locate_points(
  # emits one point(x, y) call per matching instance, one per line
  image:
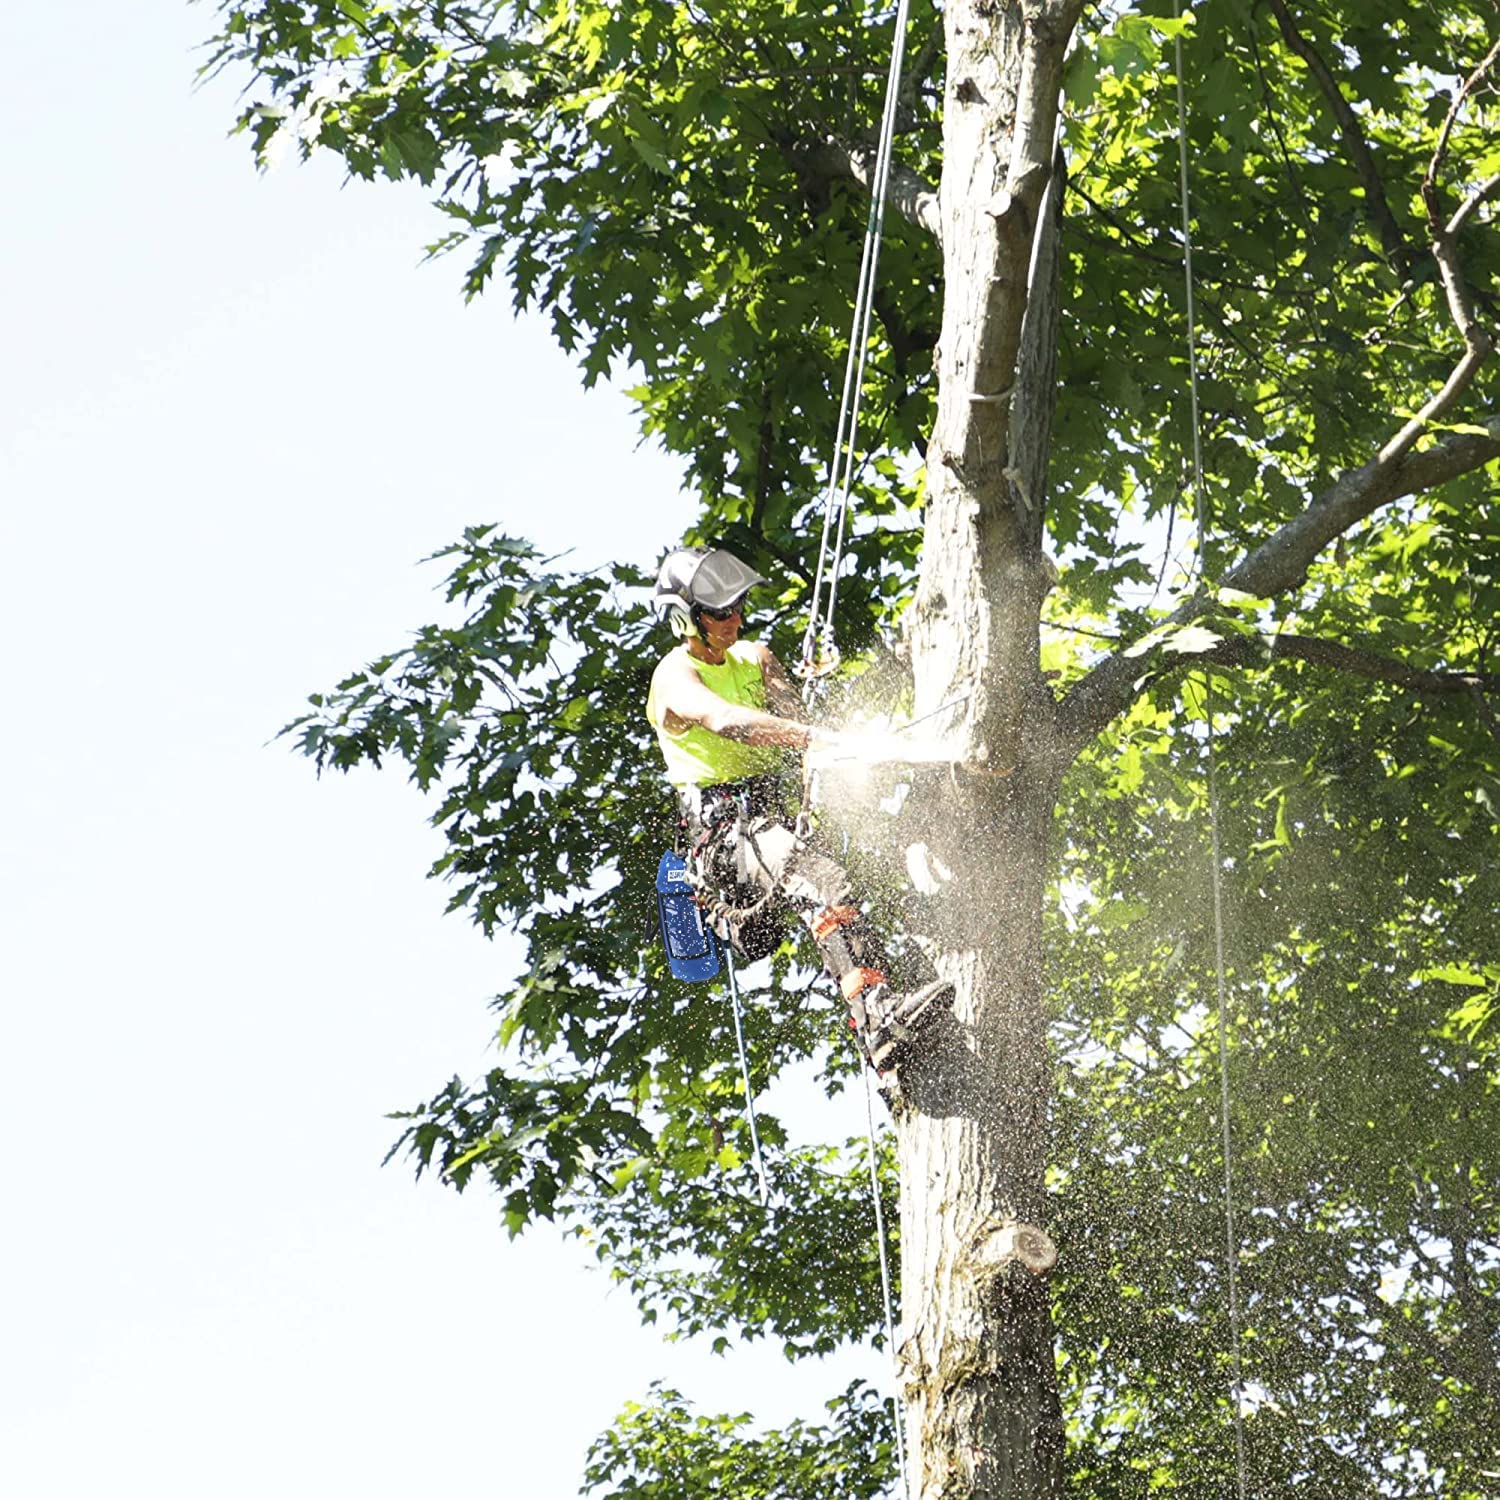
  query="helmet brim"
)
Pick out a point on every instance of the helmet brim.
point(722, 579)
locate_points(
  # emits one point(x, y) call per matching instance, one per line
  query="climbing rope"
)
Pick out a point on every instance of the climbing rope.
point(819, 650)
point(898, 1416)
point(1231, 1237)
point(1199, 499)
point(897, 1412)
point(739, 1041)
point(819, 646)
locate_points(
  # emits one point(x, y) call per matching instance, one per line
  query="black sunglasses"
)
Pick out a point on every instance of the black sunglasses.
point(737, 608)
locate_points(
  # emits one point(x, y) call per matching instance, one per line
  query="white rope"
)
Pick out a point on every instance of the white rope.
point(898, 1414)
point(739, 1041)
point(1231, 1237)
point(1199, 504)
point(820, 620)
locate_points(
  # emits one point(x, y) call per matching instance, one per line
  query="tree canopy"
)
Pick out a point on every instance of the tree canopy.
point(681, 188)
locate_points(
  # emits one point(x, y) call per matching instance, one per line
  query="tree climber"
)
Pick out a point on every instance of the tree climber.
point(725, 713)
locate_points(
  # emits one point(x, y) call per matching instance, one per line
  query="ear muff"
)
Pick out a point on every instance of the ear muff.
point(681, 622)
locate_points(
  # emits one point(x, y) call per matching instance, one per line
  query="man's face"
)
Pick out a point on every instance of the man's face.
point(721, 627)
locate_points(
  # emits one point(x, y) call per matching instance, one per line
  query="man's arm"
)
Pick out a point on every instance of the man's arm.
point(685, 700)
point(781, 692)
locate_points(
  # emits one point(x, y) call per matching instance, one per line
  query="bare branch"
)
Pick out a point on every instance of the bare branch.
point(906, 339)
point(1036, 365)
point(1281, 562)
point(1261, 651)
point(1318, 652)
point(1397, 251)
point(1479, 344)
point(1440, 155)
point(920, 67)
point(1485, 190)
point(1477, 340)
point(910, 194)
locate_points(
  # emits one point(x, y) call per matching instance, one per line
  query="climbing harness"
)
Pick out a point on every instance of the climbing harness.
point(1231, 1237)
point(754, 928)
point(819, 651)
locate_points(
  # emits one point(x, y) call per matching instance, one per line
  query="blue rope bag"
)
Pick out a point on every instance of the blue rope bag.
point(692, 953)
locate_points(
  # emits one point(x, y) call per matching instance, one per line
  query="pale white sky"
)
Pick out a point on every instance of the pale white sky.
point(234, 412)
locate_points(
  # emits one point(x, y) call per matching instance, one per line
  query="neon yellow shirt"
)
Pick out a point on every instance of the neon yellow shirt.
point(696, 756)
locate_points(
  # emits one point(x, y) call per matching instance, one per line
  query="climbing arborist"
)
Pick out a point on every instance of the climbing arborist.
point(726, 714)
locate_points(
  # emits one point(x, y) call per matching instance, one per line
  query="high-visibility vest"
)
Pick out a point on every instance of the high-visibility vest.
point(695, 756)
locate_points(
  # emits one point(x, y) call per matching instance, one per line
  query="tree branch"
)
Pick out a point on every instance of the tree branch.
point(1439, 156)
point(905, 339)
point(1425, 1343)
point(752, 538)
point(1394, 243)
point(1239, 651)
point(919, 68)
point(1486, 712)
point(909, 193)
point(1484, 190)
point(1477, 341)
point(1324, 653)
point(1035, 398)
point(1281, 562)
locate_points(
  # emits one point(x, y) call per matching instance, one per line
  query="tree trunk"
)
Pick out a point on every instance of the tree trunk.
point(976, 1344)
point(976, 1341)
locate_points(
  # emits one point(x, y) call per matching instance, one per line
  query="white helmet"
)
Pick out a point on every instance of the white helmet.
point(695, 578)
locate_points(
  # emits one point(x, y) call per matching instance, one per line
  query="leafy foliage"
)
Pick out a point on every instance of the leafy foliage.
point(650, 176)
point(1359, 899)
point(1314, 334)
point(642, 173)
point(661, 1449)
point(1364, 1108)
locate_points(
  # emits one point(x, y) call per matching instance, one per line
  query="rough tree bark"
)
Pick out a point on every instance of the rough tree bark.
point(976, 1345)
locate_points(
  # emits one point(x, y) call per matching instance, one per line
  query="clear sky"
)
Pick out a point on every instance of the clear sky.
point(234, 413)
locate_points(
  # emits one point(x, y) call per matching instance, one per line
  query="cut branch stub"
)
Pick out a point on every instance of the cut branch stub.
point(1031, 1246)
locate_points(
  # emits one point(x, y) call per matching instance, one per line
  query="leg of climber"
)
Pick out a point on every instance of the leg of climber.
point(885, 1023)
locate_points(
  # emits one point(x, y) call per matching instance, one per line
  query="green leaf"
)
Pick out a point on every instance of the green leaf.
point(1458, 974)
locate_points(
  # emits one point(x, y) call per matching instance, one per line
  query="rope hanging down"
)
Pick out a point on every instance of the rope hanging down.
point(739, 1041)
point(819, 651)
point(1231, 1237)
point(819, 647)
point(898, 1414)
